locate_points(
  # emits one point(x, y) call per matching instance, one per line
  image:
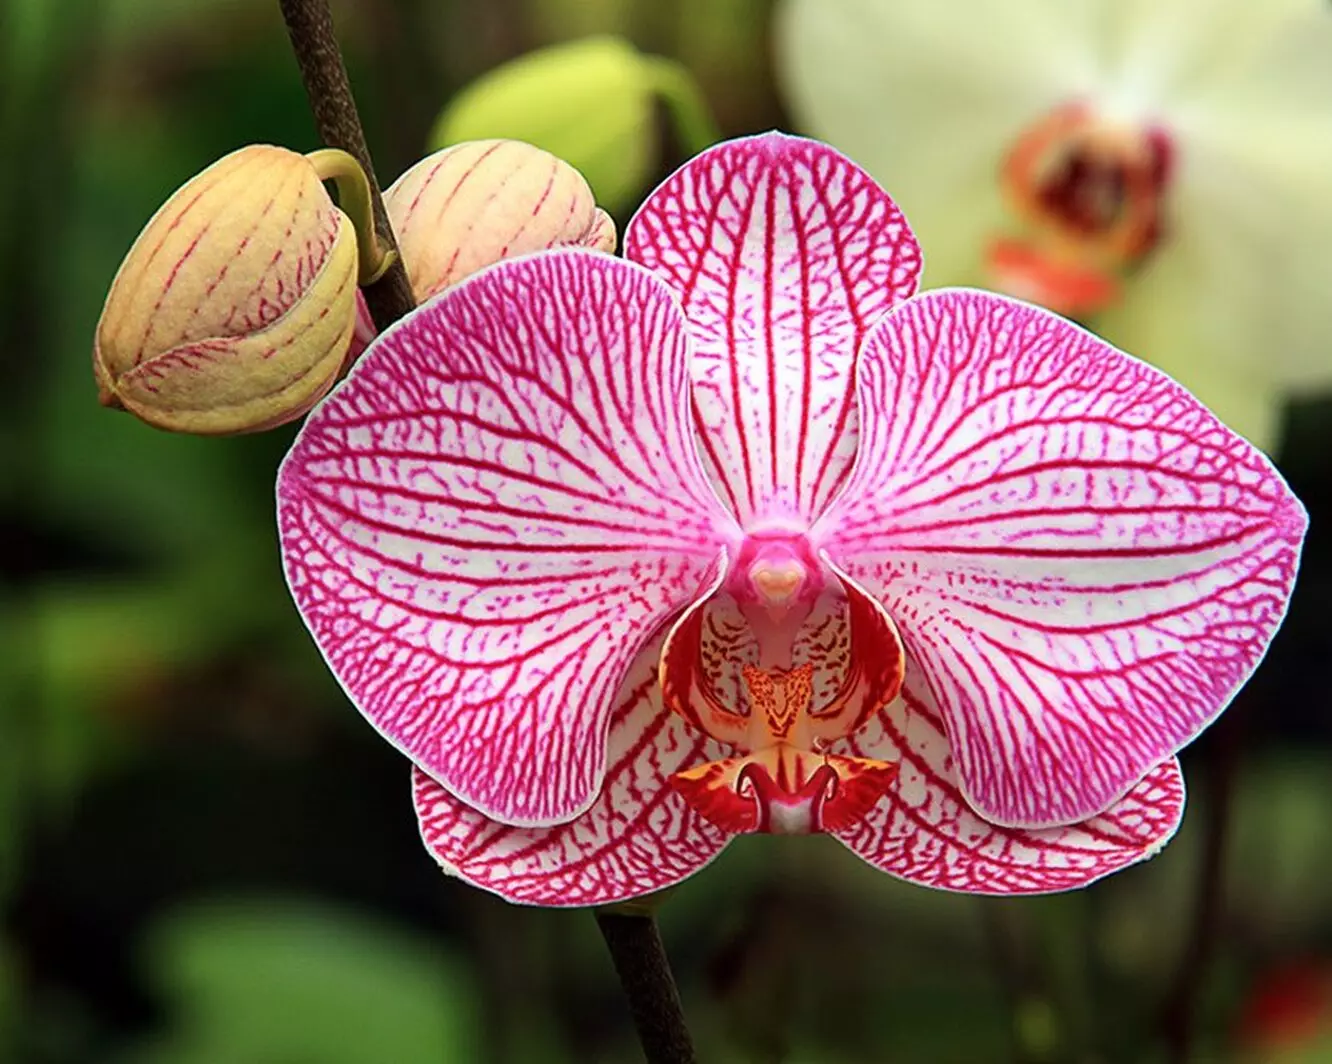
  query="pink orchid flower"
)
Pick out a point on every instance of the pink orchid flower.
point(630, 557)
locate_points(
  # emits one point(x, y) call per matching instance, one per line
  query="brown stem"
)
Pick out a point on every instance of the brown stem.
point(1177, 1019)
point(310, 27)
point(645, 974)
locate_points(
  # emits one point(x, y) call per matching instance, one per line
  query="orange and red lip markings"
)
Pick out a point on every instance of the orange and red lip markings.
point(784, 791)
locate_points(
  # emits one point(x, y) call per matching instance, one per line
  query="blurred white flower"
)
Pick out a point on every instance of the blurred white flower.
point(1162, 168)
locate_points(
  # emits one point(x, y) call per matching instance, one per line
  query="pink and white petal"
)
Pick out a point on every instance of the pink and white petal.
point(486, 520)
point(639, 836)
point(783, 253)
point(925, 831)
point(1085, 563)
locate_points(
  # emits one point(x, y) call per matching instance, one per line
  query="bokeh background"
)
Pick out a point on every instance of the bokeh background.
point(206, 857)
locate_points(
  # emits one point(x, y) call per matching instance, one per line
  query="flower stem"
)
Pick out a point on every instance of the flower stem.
point(334, 164)
point(645, 974)
point(310, 27)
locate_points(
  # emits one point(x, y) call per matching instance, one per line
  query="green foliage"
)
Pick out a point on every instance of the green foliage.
point(288, 982)
point(591, 103)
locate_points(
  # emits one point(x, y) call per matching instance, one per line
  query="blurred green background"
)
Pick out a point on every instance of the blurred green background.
point(206, 856)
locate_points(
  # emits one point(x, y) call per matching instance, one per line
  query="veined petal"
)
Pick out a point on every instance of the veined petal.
point(483, 524)
point(925, 831)
point(639, 836)
point(1084, 562)
point(783, 253)
point(1246, 399)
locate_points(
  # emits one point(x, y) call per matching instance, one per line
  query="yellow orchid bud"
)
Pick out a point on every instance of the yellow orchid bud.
point(591, 102)
point(234, 309)
point(470, 205)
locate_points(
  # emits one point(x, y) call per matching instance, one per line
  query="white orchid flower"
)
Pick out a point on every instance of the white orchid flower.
point(1159, 168)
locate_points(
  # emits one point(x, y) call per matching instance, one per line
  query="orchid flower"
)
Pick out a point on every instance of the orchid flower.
point(1158, 168)
point(743, 535)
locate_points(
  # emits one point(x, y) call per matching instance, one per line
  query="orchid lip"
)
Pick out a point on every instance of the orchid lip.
point(780, 656)
point(1088, 192)
point(793, 810)
point(1091, 182)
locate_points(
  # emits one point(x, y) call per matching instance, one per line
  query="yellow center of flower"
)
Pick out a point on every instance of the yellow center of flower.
point(1087, 195)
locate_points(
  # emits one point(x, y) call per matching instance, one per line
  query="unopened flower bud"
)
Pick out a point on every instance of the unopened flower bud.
point(590, 101)
point(468, 206)
point(234, 309)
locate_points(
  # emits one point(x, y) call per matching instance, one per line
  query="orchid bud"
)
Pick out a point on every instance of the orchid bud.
point(590, 101)
point(468, 206)
point(234, 309)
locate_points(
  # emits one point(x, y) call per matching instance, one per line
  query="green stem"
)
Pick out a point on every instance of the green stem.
point(354, 199)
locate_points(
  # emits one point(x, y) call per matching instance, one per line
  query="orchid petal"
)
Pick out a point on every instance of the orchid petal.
point(1188, 48)
point(1247, 400)
point(1085, 563)
point(483, 524)
point(1262, 165)
point(1254, 152)
point(639, 836)
point(925, 831)
point(880, 80)
point(783, 253)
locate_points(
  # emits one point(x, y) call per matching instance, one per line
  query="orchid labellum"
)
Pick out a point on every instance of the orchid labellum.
point(743, 535)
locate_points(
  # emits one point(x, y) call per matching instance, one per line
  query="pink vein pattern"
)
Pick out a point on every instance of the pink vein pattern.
point(638, 837)
point(783, 253)
point(1084, 562)
point(925, 831)
point(486, 521)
